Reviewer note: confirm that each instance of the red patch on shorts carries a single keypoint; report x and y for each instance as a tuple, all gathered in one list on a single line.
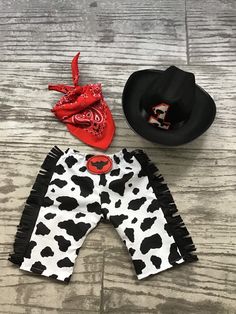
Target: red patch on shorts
[(99, 164)]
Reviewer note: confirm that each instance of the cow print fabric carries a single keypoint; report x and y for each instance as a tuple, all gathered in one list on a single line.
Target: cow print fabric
[(76, 201)]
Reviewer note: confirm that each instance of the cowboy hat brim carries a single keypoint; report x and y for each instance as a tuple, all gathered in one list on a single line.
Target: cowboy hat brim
[(201, 117)]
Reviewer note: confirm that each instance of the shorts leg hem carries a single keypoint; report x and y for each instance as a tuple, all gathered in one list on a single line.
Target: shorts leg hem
[(148, 274), (37, 271)]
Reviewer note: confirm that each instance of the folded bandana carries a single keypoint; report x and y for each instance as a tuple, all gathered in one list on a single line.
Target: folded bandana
[(84, 110)]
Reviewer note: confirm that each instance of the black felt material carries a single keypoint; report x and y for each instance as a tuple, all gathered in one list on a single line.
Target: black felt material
[(192, 110)]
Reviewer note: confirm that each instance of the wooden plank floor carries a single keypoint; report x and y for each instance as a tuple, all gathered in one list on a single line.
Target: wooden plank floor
[(38, 40)]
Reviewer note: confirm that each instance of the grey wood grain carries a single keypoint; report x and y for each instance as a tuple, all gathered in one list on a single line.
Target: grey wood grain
[(38, 40), (211, 27), (106, 31)]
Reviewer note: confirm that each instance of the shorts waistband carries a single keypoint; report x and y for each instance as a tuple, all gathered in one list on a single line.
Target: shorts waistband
[(120, 153)]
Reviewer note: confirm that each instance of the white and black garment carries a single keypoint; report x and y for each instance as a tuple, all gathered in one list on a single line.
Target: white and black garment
[(68, 201)]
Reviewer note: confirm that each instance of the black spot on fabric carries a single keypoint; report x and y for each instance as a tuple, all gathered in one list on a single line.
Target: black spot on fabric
[(117, 159), (38, 267), (103, 179), (67, 203), (135, 191), (94, 208), (85, 183), (115, 172), (117, 204), (65, 262), (130, 184), (62, 243), (77, 251), (105, 198), (152, 242), (70, 161), (131, 251), (47, 202), (49, 216), (46, 252), (139, 265), (79, 215), (72, 189), (104, 211), (59, 183), (59, 169), (136, 203), (147, 223), (168, 229), (153, 206), (129, 168), (156, 261), (67, 279), (134, 220), (77, 231), (53, 276), (149, 185), (118, 185), (42, 229), (174, 255), (129, 232), (30, 247), (141, 173), (83, 169), (117, 220), (52, 190), (127, 156), (88, 156)]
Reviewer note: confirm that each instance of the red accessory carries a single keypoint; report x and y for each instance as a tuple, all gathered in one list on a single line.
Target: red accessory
[(99, 164), (158, 116), (84, 110)]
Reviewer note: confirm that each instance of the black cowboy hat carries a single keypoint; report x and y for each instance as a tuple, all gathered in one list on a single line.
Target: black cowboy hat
[(167, 107)]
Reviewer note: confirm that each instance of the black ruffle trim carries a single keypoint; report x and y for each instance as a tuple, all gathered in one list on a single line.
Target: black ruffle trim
[(174, 220), (32, 207)]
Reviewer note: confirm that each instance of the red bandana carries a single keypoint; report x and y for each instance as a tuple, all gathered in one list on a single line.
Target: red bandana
[(84, 110)]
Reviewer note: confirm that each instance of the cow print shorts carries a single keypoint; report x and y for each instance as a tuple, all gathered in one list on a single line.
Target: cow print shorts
[(68, 200)]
